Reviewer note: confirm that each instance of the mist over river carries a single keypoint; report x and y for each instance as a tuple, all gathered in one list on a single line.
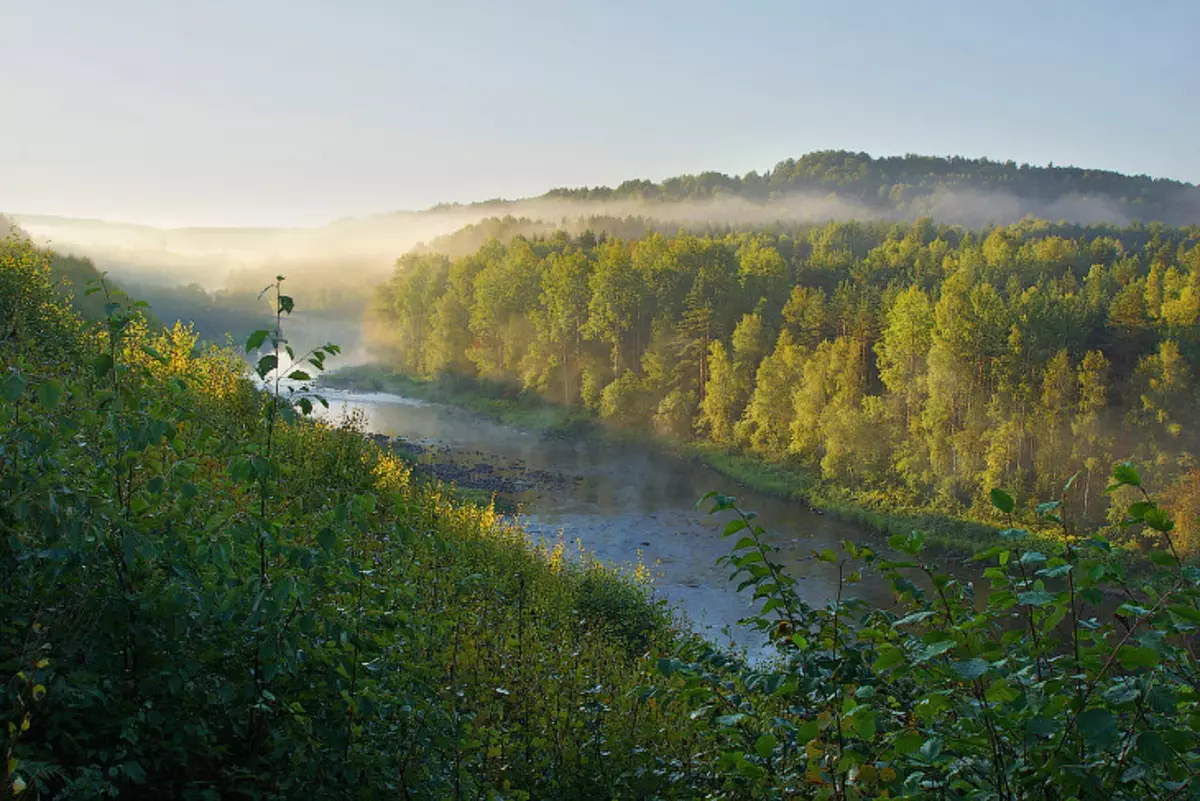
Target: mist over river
[(619, 500)]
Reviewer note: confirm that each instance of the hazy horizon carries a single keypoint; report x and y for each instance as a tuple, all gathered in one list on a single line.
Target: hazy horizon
[(482, 212), (313, 113)]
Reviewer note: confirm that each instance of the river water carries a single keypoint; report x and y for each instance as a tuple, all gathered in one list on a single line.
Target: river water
[(625, 502)]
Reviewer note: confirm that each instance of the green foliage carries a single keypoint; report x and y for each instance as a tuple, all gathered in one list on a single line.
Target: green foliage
[(915, 185), (903, 368), (1044, 685), (207, 594)]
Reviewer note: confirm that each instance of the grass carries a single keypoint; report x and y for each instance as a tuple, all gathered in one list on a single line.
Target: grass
[(508, 404)]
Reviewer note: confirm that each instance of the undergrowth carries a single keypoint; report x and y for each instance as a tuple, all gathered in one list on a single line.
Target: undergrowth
[(206, 594)]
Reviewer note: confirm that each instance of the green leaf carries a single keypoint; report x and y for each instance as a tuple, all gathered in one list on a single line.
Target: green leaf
[(102, 365), (764, 746), (1136, 656), (1159, 519), (256, 339), (1044, 509), (1126, 474), (266, 364), (908, 742), (864, 722), (12, 387), (1003, 501), (1098, 726), (134, 771), (970, 669), (931, 749), (327, 539), (1152, 748), (1137, 510), (1163, 558), (286, 304), (910, 544), (1035, 598), (930, 706), (1189, 613), (889, 657), (299, 375), (933, 650), (1041, 727), (733, 527), (807, 731), (730, 720), (49, 394), (1000, 692)]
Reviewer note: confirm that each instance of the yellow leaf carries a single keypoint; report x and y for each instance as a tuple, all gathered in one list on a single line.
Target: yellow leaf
[(887, 775)]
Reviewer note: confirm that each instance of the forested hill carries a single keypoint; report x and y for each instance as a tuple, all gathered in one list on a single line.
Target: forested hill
[(918, 364), (914, 185)]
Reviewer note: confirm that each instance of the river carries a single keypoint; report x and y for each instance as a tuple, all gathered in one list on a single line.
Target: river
[(625, 501)]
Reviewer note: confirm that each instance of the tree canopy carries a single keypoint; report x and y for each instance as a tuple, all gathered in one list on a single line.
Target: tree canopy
[(919, 360)]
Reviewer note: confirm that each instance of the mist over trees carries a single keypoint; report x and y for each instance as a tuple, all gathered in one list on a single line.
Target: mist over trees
[(921, 363), (954, 189)]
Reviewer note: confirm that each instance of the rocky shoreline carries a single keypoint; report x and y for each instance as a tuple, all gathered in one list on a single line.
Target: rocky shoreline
[(476, 470)]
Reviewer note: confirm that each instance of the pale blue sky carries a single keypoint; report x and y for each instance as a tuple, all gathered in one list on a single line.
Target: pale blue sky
[(296, 112)]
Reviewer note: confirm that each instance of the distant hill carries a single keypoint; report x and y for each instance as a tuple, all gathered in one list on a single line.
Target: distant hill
[(917, 185), (818, 187)]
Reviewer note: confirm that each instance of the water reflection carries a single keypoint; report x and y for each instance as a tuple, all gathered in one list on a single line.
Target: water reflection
[(623, 499)]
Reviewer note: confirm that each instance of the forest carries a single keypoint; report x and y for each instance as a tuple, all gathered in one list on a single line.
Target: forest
[(906, 365), (913, 185), (206, 593)]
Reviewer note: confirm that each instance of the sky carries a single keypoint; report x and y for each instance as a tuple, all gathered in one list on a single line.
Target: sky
[(292, 112)]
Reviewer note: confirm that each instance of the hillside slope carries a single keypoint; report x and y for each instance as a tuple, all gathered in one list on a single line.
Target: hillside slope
[(206, 595)]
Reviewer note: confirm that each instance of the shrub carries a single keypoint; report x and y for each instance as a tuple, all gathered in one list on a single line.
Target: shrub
[(1067, 679)]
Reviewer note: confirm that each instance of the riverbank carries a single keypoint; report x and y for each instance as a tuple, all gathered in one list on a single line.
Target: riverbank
[(508, 405)]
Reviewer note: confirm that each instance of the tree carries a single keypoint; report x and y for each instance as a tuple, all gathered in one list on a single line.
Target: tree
[(749, 346), (805, 315), (505, 291), (903, 349), (1089, 427), (719, 406), (564, 312), (625, 402), (1053, 422), (618, 302), (761, 269), (767, 422)]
